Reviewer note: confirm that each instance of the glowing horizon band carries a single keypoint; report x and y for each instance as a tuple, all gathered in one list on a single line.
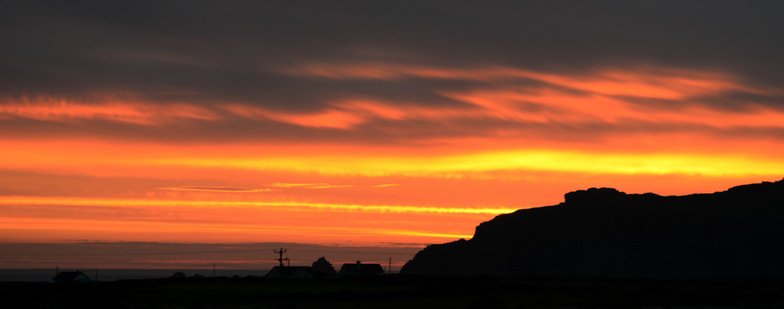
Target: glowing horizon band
[(531, 160), (56, 224)]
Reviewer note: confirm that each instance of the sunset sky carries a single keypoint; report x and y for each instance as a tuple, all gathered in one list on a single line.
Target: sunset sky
[(363, 125)]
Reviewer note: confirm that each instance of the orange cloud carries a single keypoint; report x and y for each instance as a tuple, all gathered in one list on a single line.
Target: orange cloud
[(330, 186), (109, 108), (605, 96), (297, 185), (216, 189), (310, 185), (550, 105), (135, 203), (646, 82), (642, 81), (341, 114), (331, 118), (386, 185)]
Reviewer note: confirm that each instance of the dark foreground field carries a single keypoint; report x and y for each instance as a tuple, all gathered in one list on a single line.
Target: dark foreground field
[(398, 292)]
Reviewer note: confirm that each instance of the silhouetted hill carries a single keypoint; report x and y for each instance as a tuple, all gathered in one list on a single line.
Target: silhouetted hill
[(607, 233)]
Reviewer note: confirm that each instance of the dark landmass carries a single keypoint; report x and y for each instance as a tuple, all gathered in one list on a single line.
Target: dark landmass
[(601, 248), (397, 292), (607, 233)]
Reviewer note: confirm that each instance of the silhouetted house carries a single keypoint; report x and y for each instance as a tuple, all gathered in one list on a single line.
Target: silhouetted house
[(359, 269), (178, 275), (290, 272), (323, 269), (71, 277)]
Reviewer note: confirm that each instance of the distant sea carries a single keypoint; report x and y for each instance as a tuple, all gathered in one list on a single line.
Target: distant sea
[(45, 275)]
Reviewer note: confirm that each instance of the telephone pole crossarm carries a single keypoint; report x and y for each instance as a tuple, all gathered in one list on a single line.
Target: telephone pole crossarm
[(280, 258)]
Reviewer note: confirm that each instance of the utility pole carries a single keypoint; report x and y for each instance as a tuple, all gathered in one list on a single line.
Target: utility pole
[(280, 258), (389, 269)]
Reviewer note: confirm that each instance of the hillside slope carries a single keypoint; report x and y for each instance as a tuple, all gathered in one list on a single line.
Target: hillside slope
[(607, 233)]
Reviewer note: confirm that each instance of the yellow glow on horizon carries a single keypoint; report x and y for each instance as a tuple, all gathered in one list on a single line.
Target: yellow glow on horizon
[(150, 160), (536, 160)]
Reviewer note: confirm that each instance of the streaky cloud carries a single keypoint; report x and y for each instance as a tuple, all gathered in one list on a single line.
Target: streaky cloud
[(217, 189), (114, 202), (386, 185)]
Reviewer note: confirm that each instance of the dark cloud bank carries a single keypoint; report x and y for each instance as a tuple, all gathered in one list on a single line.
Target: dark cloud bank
[(209, 54), (228, 51)]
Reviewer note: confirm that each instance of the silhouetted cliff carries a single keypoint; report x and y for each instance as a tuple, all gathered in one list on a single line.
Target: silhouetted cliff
[(607, 233)]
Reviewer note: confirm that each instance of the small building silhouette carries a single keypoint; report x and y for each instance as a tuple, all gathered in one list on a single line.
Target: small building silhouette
[(178, 275), (71, 277), (359, 269), (323, 268), (290, 272)]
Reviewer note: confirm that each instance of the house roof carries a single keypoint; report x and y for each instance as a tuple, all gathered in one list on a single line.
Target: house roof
[(70, 276), (290, 271), (361, 269), (322, 267)]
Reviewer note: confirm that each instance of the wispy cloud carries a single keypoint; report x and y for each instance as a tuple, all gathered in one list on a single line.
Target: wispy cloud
[(105, 202), (310, 185), (102, 108), (296, 185), (386, 185), (217, 189), (337, 119), (330, 186)]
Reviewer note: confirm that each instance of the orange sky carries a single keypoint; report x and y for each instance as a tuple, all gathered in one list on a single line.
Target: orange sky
[(381, 140), (413, 190)]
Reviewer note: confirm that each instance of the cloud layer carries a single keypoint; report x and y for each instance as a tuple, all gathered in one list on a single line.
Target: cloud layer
[(437, 110), (402, 72)]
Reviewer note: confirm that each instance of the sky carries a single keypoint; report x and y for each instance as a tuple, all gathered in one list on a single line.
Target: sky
[(364, 125)]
